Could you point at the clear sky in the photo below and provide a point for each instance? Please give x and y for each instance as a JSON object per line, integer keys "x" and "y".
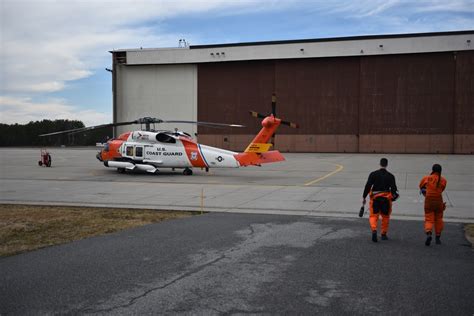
{"x": 53, "y": 54}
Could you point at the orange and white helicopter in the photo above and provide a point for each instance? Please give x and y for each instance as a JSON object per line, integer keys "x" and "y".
{"x": 149, "y": 150}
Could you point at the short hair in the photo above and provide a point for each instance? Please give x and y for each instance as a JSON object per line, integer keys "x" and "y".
{"x": 384, "y": 162}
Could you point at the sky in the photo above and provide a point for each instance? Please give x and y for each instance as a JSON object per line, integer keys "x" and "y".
{"x": 53, "y": 53}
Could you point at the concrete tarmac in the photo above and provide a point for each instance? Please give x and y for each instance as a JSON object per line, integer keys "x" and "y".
{"x": 234, "y": 264}
{"x": 305, "y": 184}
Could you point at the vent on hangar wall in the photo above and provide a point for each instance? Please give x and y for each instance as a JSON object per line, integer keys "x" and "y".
{"x": 120, "y": 57}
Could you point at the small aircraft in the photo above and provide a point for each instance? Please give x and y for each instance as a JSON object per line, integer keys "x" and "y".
{"x": 147, "y": 150}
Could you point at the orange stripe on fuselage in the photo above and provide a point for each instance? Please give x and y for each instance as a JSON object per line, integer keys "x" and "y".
{"x": 113, "y": 151}
{"x": 114, "y": 146}
{"x": 194, "y": 155}
{"x": 124, "y": 136}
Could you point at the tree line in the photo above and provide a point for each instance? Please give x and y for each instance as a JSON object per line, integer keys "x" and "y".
{"x": 27, "y": 134}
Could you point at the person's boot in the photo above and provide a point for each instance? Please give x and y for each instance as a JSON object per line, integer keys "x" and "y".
{"x": 428, "y": 239}
{"x": 384, "y": 236}
{"x": 438, "y": 240}
{"x": 374, "y": 236}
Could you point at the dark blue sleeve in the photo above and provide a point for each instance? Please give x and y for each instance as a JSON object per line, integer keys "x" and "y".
{"x": 393, "y": 185}
{"x": 368, "y": 185}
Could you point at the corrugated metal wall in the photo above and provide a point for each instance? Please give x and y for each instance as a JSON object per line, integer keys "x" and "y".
{"x": 411, "y": 94}
{"x": 388, "y": 103}
{"x": 464, "y": 103}
{"x": 322, "y": 95}
{"x": 226, "y": 92}
{"x": 167, "y": 91}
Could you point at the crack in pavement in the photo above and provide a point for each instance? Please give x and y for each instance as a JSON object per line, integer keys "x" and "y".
{"x": 252, "y": 230}
{"x": 193, "y": 289}
{"x": 243, "y": 311}
{"x": 136, "y": 298}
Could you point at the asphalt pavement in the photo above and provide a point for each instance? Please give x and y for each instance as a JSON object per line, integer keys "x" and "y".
{"x": 229, "y": 263}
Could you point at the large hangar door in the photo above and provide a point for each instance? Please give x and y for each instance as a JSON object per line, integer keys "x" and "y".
{"x": 322, "y": 95}
{"x": 407, "y": 103}
{"x": 226, "y": 94}
{"x": 464, "y": 106}
{"x": 162, "y": 91}
{"x": 415, "y": 103}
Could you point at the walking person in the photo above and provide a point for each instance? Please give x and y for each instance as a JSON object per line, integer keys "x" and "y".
{"x": 432, "y": 188}
{"x": 382, "y": 189}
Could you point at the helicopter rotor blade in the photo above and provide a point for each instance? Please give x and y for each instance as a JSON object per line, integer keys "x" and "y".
{"x": 256, "y": 114}
{"x": 290, "y": 124}
{"x": 207, "y": 124}
{"x": 274, "y": 101}
{"x": 143, "y": 120}
{"x": 89, "y": 128}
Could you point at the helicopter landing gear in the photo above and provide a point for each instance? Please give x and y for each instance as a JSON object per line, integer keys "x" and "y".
{"x": 187, "y": 172}
{"x": 121, "y": 170}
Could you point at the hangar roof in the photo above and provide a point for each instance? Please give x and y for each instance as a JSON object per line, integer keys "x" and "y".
{"x": 305, "y": 48}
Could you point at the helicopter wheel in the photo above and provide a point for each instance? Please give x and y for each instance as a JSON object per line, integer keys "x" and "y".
{"x": 121, "y": 170}
{"x": 187, "y": 172}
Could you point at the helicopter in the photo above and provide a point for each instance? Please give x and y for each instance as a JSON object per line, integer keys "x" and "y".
{"x": 149, "y": 149}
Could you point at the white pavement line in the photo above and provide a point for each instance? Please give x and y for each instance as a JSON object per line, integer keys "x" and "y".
{"x": 339, "y": 168}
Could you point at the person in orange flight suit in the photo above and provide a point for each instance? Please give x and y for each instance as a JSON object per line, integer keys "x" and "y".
{"x": 383, "y": 190}
{"x": 432, "y": 188}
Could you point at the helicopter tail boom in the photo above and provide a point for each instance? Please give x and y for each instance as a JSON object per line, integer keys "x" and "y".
{"x": 255, "y": 159}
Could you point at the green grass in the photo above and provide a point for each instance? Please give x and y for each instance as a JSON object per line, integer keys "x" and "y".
{"x": 25, "y": 228}
{"x": 469, "y": 228}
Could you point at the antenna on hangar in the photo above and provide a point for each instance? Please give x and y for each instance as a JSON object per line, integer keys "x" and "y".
{"x": 182, "y": 43}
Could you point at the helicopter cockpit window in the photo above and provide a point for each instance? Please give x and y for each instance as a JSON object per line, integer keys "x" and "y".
{"x": 139, "y": 151}
{"x": 129, "y": 150}
{"x": 165, "y": 138}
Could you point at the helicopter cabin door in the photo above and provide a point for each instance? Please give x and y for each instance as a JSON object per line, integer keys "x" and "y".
{"x": 138, "y": 152}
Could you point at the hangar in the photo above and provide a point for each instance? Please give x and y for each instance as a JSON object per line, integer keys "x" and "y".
{"x": 400, "y": 93}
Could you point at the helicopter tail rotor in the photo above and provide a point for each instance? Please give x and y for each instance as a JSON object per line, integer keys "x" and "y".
{"x": 273, "y": 115}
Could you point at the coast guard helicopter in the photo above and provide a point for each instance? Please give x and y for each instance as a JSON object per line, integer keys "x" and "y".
{"x": 149, "y": 150}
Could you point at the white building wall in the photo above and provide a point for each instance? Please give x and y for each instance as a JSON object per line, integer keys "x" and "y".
{"x": 356, "y": 47}
{"x": 168, "y": 92}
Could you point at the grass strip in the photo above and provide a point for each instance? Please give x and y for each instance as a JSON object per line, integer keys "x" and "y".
{"x": 28, "y": 227}
{"x": 469, "y": 228}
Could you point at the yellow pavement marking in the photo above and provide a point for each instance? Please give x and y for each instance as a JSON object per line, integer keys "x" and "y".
{"x": 339, "y": 168}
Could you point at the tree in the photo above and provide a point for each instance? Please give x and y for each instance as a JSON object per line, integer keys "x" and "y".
{"x": 27, "y": 134}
